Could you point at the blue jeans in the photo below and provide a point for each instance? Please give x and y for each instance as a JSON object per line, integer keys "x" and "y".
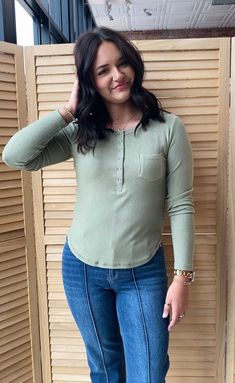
{"x": 119, "y": 315}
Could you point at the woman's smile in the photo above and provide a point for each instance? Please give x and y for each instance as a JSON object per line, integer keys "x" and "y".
{"x": 122, "y": 86}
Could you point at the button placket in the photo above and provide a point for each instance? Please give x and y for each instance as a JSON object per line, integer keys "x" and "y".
{"x": 119, "y": 166}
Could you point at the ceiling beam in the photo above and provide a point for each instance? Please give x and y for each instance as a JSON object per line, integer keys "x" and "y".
{"x": 180, "y": 33}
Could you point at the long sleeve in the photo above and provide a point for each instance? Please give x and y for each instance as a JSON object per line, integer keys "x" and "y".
{"x": 179, "y": 195}
{"x": 46, "y": 141}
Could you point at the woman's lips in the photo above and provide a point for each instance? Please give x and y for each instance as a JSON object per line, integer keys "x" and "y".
{"x": 121, "y": 86}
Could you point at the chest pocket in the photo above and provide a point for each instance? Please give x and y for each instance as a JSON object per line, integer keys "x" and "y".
{"x": 151, "y": 166}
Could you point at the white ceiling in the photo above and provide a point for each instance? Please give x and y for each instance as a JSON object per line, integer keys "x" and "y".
{"x": 132, "y": 15}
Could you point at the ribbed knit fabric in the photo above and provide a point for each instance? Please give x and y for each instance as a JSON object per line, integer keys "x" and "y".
{"x": 121, "y": 188}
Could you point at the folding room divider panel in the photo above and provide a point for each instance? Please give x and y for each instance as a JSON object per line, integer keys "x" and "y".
{"x": 230, "y": 341}
{"x": 194, "y": 91}
{"x": 191, "y": 77}
{"x": 19, "y": 360}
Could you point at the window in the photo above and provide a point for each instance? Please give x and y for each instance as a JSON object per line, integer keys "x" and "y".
{"x": 24, "y": 25}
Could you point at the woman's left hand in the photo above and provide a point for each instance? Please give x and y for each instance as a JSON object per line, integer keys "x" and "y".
{"x": 176, "y": 303}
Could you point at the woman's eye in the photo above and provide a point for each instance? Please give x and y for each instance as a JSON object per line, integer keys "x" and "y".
{"x": 123, "y": 63}
{"x": 103, "y": 71}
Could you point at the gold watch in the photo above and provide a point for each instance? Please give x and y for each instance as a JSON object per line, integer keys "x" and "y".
{"x": 185, "y": 273}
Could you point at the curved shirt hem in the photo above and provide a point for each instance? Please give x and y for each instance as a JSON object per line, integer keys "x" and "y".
{"x": 113, "y": 266}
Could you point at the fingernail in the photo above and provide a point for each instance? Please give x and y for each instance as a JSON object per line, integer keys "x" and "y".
{"x": 164, "y": 315}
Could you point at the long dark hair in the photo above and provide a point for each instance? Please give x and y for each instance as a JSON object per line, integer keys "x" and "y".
{"x": 92, "y": 115}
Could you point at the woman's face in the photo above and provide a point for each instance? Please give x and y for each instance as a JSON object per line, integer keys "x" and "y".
{"x": 113, "y": 76}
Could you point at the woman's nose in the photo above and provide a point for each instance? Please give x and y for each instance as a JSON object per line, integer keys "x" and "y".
{"x": 117, "y": 74}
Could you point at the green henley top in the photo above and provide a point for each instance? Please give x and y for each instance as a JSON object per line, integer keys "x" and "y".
{"x": 121, "y": 188}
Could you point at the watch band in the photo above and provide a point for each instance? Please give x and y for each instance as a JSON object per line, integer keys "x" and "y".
{"x": 185, "y": 273}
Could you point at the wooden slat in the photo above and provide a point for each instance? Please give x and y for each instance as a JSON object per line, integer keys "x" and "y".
{"x": 7, "y": 104}
{"x": 10, "y": 192}
{"x": 174, "y": 84}
{"x": 177, "y": 93}
{"x": 166, "y": 56}
{"x": 9, "y": 123}
{"x": 11, "y": 294}
{"x": 183, "y": 46}
{"x": 54, "y": 60}
{"x": 7, "y": 95}
{"x": 15, "y": 355}
{"x": 7, "y": 58}
{"x": 177, "y": 65}
{"x": 12, "y": 255}
{"x": 55, "y": 79}
{"x": 55, "y": 69}
{"x": 61, "y": 97}
{"x": 7, "y": 78}
{"x": 11, "y": 201}
{"x": 23, "y": 374}
{"x": 7, "y": 87}
{"x": 191, "y": 74}
{"x": 8, "y": 113}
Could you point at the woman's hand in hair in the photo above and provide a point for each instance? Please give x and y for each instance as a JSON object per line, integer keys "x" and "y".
{"x": 73, "y": 102}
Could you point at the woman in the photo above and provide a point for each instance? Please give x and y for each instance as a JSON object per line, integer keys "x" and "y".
{"x": 129, "y": 156}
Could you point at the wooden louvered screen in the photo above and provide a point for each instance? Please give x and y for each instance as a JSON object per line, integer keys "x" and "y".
{"x": 230, "y": 354}
{"x": 18, "y": 307}
{"x": 49, "y": 84}
{"x": 191, "y": 78}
